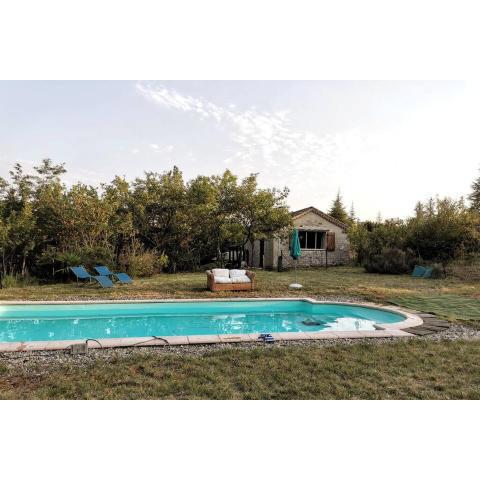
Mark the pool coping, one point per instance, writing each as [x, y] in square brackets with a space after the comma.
[383, 330]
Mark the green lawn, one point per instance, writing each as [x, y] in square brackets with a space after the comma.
[402, 370]
[451, 298]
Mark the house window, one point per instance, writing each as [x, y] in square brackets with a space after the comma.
[311, 240]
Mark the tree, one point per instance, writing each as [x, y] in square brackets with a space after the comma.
[18, 222]
[121, 226]
[443, 229]
[337, 210]
[352, 217]
[157, 220]
[474, 196]
[208, 200]
[370, 239]
[256, 212]
[161, 215]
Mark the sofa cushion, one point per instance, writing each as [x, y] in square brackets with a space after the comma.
[237, 273]
[221, 279]
[220, 272]
[241, 279]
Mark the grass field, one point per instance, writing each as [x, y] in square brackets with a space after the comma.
[452, 298]
[411, 369]
[408, 370]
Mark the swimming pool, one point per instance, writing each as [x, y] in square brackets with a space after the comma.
[81, 321]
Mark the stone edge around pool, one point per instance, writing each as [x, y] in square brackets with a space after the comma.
[383, 330]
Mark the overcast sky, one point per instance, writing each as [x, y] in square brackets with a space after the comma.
[385, 145]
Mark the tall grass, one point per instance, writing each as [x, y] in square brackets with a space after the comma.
[15, 281]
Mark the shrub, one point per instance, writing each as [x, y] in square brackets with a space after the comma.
[368, 239]
[466, 269]
[211, 266]
[391, 260]
[12, 281]
[443, 230]
[54, 264]
[146, 264]
[139, 262]
[438, 271]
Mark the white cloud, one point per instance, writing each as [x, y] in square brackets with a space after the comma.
[266, 142]
[161, 149]
[385, 169]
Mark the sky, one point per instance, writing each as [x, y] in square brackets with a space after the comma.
[383, 145]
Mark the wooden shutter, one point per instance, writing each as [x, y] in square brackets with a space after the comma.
[330, 241]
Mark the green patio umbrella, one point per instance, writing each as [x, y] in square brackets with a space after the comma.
[295, 253]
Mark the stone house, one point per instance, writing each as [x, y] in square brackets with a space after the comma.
[323, 240]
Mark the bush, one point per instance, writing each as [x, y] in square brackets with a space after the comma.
[391, 260]
[465, 269]
[12, 281]
[146, 264]
[438, 271]
[444, 230]
[211, 266]
[368, 239]
[55, 264]
[139, 262]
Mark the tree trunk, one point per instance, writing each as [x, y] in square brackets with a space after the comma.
[24, 266]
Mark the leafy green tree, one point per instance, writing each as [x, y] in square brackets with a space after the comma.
[144, 225]
[48, 204]
[443, 229]
[18, 223]
[369, 239]
[209, 212]
[122, 233]
[161, 215]
[258, 212]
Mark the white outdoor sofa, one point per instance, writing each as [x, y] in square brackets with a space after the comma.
[222, 279]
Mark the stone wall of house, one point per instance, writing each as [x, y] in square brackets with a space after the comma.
[309, 258]
[314, 258]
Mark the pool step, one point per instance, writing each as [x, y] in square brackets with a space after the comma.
[431, 324]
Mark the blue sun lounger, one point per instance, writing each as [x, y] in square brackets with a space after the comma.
[428, 272]
[418, 271]
[422, 272]
[120, 276]
[81, 274]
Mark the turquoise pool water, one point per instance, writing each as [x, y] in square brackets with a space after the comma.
[22, 323]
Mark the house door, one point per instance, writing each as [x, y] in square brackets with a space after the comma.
[262, 253]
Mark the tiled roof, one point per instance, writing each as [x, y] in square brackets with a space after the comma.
[303, 211]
